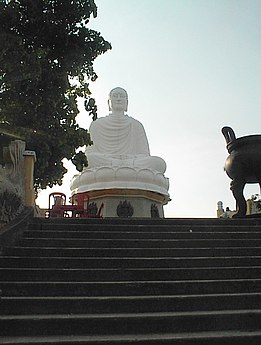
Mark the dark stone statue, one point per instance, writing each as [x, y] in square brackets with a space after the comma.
[125, 209]
[243, 165]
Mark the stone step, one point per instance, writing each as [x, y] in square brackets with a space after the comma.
[125, 262]
[132, 252]
[43, 222]
[128, 227]
[136, 281]
[147, 243]
[128, 304]
[129, 323]
[114, 275]
[126, 288]
[191, 338]
[135, 235]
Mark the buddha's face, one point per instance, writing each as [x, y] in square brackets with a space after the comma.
[118, 100]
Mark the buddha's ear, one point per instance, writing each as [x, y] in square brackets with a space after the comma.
[126, 108]
[109, 104]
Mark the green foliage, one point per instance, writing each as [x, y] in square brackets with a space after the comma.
[10, 206]
[46, 62]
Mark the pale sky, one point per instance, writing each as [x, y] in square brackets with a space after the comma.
[190, 67]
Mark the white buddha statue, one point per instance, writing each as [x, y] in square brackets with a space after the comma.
[120, 140]
[120, 155]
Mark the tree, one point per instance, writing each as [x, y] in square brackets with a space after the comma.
[47, 52]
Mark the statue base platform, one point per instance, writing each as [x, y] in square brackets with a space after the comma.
[128, 203]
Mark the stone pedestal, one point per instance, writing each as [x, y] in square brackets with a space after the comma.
[124, 203]
[124, 191]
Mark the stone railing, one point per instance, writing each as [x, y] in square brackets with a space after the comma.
[16, 179]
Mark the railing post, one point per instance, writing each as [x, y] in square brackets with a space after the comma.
[29, 160]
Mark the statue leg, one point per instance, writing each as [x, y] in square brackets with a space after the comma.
[237, 188]
[151, 162]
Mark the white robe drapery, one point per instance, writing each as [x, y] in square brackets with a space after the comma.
[118, 136]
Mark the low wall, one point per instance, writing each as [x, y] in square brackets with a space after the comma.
[13, 231]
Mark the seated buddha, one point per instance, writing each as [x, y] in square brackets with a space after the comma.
[120, 155]
[120, 140]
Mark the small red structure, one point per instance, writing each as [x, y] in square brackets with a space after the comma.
[79, 208]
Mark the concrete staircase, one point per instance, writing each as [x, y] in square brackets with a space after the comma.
[172, 281]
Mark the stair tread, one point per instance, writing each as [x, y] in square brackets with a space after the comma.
[130, 315]
[129, 248]
[59, 262]
[72, 339]
[128, 257]
[124, 282]
[88, 231]
[145, 240]
[128, 269]
[116, 298]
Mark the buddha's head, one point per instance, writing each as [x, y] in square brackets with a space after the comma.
[118, 100]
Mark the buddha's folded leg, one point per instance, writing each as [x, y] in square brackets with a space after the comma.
[98, 160]
[151, 162]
